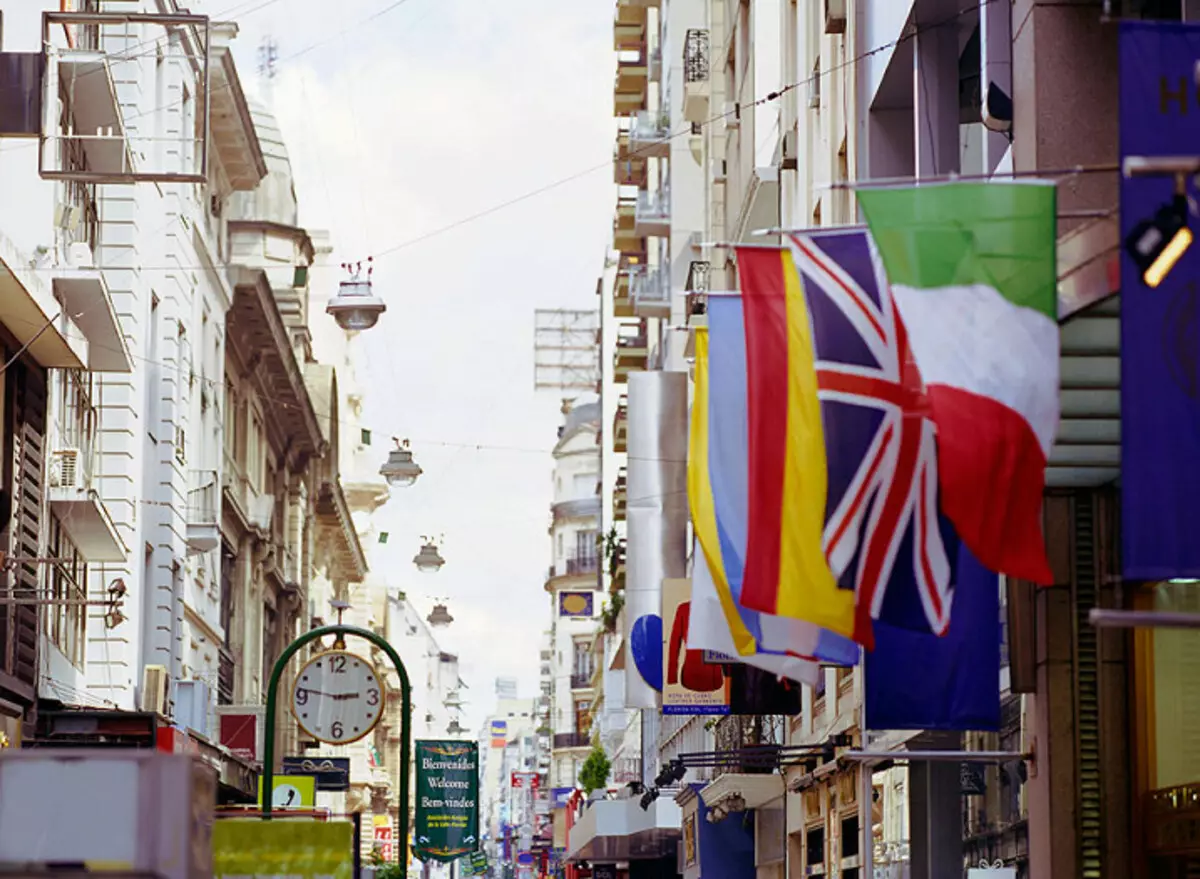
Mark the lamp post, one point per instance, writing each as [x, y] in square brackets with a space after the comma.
[340, 631]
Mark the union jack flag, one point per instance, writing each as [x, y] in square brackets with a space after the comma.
[884, 536]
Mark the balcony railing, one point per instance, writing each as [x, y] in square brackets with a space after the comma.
[651, 132]
[571, 740]
[695, 55]
[651, 292]
[653, 213]
[202, 501]
[577, 508]
[576, 564]
[581, 680]
[757, 738]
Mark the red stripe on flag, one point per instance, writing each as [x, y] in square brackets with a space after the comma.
[764, 305]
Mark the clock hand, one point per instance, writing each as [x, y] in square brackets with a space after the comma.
[315, 692]
[342, 697]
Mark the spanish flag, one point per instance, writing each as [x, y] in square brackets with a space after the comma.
[786, 572]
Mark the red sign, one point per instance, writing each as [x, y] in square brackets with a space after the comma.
[239, 733]
[383, 837]
[524, 779]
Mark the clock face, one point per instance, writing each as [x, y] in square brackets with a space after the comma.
[337, 697]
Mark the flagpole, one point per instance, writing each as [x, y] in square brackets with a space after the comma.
[1103, 618]
[884, 182]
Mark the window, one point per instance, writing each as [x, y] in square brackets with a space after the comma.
[560, 545]
[581, 665]
[67, 623]
[583, 716]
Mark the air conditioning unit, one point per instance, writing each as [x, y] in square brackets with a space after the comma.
[65, 471]
[80, 256]
[154, 690]
[67, 216]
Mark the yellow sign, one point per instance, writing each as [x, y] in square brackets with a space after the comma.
[291, 791]
[297, 848]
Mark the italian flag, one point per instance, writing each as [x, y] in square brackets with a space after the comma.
[973, 273]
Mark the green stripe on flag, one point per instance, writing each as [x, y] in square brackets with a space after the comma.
[1000, 234]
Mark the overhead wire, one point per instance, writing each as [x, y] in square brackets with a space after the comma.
[646, 151]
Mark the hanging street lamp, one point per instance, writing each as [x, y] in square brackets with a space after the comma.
[356, 307]
[400, 468]
[439, 617]
[428, 560]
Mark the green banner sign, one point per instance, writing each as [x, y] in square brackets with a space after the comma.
[475, 864]
[447, 800]
[303, 849]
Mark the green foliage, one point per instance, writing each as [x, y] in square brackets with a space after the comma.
[389, 871]
[594, 772]
[610, 610]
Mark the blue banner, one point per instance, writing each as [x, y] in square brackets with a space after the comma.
[1160, 328]
[916, 680]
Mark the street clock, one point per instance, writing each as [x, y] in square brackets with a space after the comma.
[337, 698]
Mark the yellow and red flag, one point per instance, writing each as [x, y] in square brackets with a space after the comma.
[786, 571]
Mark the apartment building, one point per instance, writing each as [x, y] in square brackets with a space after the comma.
[130, 433]
[571, 583]
[510, 752]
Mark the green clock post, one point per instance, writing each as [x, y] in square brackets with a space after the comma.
[339, 633]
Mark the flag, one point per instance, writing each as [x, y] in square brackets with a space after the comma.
[917, 680]
[973, 271]
[884, 537]
[1160, 373]
[708, 629]
[785, 573]
[717, 493]
[728, 459]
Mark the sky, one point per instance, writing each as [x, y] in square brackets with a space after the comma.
[402, 119]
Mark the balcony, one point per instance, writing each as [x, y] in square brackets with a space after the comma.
[621, 425]
[578, 508]
[625, 238]
[652, 292]
[652, 215]
[581, 680]
[623, 295]
[650, 134]
[632, 350]
[571, 740]
[629, 168]
[203, 512]
[574, 565]
[619, 497]
[629, 27]
[757, 740]
[74, 456]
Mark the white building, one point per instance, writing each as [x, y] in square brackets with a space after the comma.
[124, 283]
[508, 743]
[573, 584]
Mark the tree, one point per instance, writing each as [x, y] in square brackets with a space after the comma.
[594, 772]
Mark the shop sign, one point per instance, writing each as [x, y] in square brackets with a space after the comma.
[245, 848]
[447, 825]
[331, 773]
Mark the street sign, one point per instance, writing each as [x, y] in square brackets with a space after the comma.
[291, 792]
[332, 773]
